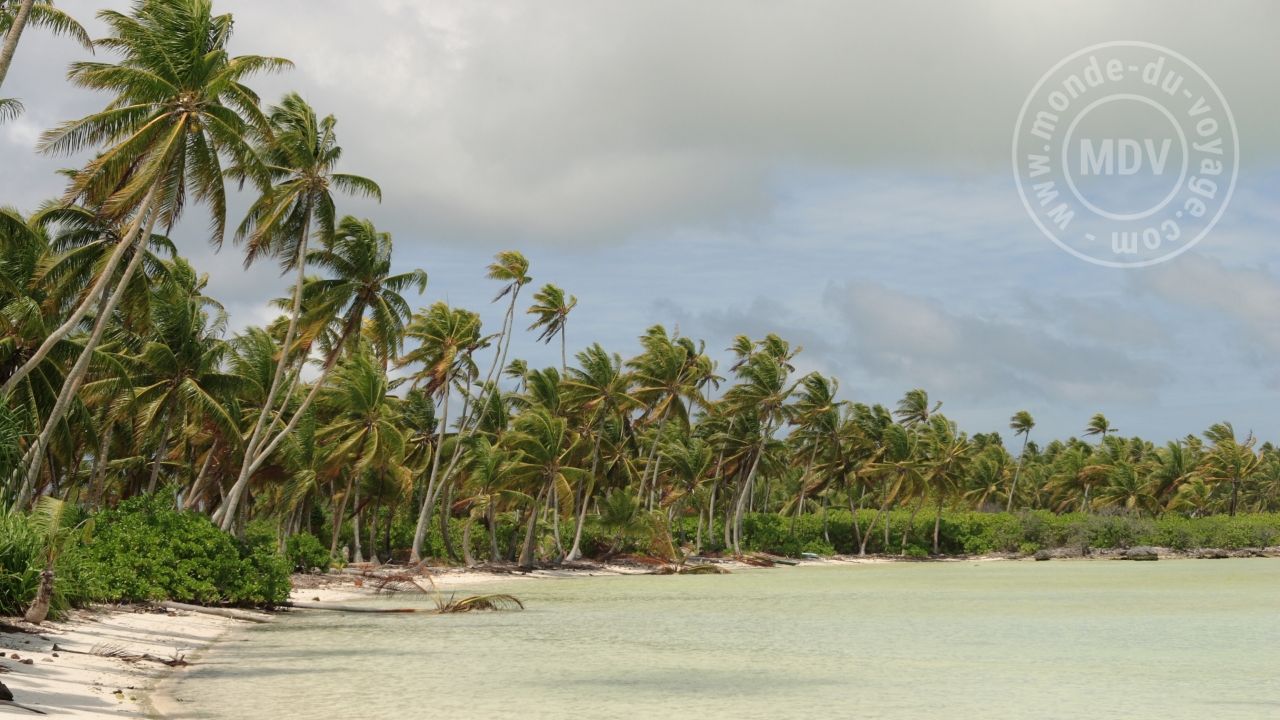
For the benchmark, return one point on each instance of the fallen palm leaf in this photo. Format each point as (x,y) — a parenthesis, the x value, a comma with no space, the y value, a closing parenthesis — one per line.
(471,603)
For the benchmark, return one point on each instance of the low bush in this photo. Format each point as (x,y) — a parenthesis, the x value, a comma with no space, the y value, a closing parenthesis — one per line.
(146,550)
(306,553)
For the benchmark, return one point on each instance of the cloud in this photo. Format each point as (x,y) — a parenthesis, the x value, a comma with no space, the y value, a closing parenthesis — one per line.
(1246,297)
(586,122)
(915,341)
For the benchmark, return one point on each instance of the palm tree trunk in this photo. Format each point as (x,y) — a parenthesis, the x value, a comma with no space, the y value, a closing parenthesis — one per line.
(526,551)
(880,513)
(74,378)
(446,512)
(338,513)
(911,525)
(1013,487)
(356,553)
(165,430)
(564,358)
(937,525)
(575,552)
(492,522)
(193,495)
(290,332)
(100,461)
(227,512)
(96,294)
(746,492)
(424,514)
(467,558)
(39,609)
(11,38)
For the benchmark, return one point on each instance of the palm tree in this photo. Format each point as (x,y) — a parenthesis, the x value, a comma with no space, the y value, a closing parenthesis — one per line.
(447,339)
(1099,425)
(947,453)
(179,372)
(15,15)
(300,152)
(1229,461)
(544,445)
(1021,424)
(760,396)
(363,434)
(361,283)
(179,109)
(552,311)
(913,408)
(599,392)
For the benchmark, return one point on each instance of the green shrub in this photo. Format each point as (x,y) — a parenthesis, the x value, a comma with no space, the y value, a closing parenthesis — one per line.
(305,553)
(146,550)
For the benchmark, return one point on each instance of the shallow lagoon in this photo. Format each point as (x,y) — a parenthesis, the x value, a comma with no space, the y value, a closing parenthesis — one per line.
(1169,639)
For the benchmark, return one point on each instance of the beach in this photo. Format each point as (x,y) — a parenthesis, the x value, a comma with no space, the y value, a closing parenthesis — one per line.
(118,661)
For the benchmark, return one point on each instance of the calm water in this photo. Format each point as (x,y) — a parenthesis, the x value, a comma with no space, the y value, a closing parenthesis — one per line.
(1170,639)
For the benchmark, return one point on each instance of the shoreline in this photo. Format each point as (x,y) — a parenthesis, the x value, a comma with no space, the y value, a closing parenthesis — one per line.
(72,671)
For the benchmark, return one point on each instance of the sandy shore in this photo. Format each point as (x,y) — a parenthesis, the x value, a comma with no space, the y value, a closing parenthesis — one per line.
(70,674)
(111,662)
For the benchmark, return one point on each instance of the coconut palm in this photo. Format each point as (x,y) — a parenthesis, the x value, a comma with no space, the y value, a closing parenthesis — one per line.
(360,284)
(1021,424)
(180,108)
(1099,426)
(913,409)
(552,308)
(544,447)
(599,391)
(447,341)
(300,152)
(362,434)
(1229,461)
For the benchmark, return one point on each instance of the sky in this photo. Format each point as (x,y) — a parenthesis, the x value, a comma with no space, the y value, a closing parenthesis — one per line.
(835,172)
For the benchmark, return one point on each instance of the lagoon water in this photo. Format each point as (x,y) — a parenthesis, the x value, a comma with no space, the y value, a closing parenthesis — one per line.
(1169,639)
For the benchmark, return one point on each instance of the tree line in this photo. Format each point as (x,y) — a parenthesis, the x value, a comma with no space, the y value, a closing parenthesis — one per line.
(362,407)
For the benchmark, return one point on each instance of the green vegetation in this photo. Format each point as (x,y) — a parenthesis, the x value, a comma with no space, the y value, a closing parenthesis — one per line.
(365,417)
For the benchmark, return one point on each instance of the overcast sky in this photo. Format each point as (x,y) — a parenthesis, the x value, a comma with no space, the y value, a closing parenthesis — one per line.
(836,172)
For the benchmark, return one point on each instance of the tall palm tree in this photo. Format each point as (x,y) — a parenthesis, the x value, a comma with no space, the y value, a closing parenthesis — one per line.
(760,396)
(544,445)
(180,108)
(913,408)
(552,310)
(1021,424)
(447,340)
(363,434)
(360,285)
(300,152)
(600,392)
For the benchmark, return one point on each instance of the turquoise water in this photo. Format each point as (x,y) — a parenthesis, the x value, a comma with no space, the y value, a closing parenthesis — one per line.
(1170,639)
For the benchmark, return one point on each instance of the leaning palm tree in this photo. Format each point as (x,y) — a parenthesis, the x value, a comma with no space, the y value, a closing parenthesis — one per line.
(1021,424)
(300,153)
(361,288)
(1099,426)
(552,311)
(447,338)
(180,108)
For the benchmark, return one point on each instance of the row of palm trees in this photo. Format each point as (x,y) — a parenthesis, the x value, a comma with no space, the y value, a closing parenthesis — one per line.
(118,376)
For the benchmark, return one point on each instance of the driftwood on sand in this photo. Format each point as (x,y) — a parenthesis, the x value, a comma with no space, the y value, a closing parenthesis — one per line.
(220,612)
